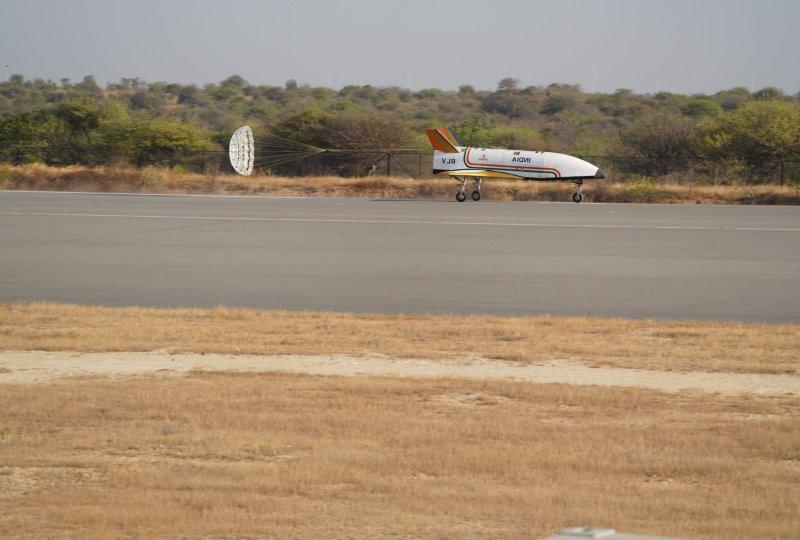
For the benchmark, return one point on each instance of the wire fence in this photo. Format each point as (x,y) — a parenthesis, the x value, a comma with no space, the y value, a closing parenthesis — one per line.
(403,163)
(409,163)
(764,170)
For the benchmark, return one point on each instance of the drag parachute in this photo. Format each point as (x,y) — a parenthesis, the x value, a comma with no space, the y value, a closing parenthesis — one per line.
(242,151)
(265,150)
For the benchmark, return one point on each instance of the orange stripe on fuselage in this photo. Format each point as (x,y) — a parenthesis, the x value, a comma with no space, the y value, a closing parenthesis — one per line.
(519,167)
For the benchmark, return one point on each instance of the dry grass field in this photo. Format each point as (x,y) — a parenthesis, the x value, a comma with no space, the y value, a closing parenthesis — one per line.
(224,455)
(158,180)
(221,454)
(593,341)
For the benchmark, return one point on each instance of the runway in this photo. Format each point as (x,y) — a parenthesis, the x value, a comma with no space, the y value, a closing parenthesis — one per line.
(398,256)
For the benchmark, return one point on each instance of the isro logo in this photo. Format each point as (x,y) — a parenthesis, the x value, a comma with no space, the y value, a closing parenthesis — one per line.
(520,160)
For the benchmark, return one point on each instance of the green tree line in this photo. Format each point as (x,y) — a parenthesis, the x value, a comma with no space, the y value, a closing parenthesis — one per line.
(731,134)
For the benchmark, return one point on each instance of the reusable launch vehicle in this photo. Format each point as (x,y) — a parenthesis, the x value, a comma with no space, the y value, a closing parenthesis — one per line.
(465,163)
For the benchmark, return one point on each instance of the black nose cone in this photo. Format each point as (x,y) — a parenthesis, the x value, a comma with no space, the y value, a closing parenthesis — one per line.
(599,174)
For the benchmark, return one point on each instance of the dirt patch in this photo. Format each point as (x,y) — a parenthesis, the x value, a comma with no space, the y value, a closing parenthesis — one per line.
(684,346)
(15,481)
(470,399)
(44,366)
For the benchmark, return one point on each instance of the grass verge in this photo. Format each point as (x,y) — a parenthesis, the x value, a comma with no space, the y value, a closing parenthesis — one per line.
(300,456)
(646,344)
(158,180)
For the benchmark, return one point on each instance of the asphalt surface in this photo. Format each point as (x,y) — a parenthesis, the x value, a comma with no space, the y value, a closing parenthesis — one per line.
(628,260)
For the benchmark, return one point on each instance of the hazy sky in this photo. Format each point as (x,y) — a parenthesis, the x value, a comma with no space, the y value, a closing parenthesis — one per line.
(645,45)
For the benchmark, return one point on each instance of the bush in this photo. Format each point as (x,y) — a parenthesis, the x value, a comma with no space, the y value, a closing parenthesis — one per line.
(555,103)
(656,145)
(698,108)
(473,132)
(759,134)
(515,137)
(510,104)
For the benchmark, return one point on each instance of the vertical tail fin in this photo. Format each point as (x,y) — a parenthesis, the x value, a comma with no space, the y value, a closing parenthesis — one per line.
(441,139)
(452,136)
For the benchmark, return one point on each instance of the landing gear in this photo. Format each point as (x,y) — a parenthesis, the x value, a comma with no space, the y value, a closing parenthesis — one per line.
(476,188)
(577,196)
(462,185)
(461,196)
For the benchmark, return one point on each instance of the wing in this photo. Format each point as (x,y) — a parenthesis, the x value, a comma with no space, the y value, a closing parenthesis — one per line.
(483,173)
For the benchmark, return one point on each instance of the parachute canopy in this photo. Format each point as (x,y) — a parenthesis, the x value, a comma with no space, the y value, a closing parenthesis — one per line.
(242,151)
(272,150)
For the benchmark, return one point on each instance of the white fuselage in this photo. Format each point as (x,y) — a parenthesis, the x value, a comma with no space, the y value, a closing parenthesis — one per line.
(525,164)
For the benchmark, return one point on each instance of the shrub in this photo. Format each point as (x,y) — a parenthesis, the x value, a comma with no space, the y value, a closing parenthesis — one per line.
(656,145)
(698,108)
(759,134)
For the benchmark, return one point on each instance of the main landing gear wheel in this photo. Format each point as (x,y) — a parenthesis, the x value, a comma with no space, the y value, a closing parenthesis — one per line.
(577,196)
(462,183)
(476,188)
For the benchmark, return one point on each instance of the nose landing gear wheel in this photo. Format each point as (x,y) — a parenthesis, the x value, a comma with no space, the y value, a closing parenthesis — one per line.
(476,196)
(460,197)
(577,196)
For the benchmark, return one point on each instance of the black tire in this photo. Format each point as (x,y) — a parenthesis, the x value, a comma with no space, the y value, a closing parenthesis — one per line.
(577,197)
(460,197)
(476,195)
